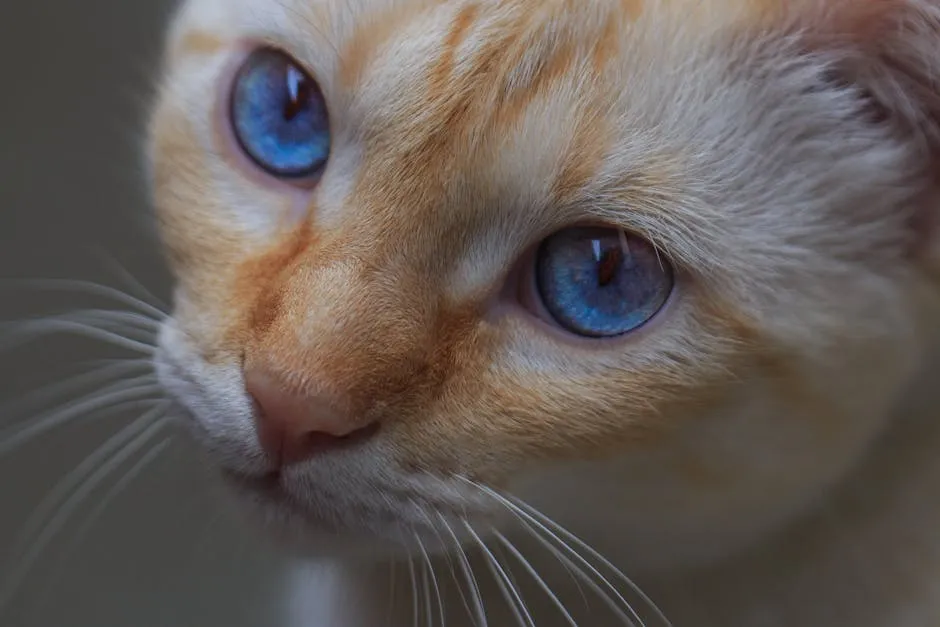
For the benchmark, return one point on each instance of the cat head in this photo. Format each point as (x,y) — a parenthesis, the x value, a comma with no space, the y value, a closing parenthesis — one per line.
(659,266)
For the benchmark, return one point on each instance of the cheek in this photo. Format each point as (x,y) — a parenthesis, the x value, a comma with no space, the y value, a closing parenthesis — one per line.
(212,208)
(211,225)
(490,425)
(508,408)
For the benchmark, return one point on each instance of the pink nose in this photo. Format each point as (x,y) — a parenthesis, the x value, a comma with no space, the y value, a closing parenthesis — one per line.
(292,427)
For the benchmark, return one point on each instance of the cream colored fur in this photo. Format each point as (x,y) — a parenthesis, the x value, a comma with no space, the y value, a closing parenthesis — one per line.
(765,453)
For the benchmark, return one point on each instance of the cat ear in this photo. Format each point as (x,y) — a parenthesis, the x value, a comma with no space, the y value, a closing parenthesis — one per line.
(891,52)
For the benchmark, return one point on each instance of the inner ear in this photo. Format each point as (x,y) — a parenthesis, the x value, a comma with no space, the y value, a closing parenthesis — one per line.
(844,78)
(886,51)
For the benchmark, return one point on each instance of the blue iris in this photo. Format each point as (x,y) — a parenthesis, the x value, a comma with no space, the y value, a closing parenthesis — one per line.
(279,116)
(601,282)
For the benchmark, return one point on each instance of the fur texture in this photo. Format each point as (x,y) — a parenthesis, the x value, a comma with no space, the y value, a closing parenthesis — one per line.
(746,454)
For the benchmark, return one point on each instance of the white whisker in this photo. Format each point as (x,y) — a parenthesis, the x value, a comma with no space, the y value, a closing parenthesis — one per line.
(25,332)
(629,618)
(115,386)
(129,324)
(133,282)
(106,500)
(437,589)
(526,519)
(467,573)
(513,598)
(426,586)
(501,558)
(70,481)
(66,509)
(447,558)
(414,590)
(14,437)
(593,553)
(108,315)
(105,372)
(538,579)
(88,287)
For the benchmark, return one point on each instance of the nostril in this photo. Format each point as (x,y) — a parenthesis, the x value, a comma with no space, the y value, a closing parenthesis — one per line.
(292,428)
(318,441)
(286,448)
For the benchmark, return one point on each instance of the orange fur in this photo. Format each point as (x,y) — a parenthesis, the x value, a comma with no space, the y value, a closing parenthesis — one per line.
(469,131)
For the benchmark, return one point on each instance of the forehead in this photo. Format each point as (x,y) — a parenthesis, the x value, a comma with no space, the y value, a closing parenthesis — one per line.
(437,97)
(495,121)
(404,66)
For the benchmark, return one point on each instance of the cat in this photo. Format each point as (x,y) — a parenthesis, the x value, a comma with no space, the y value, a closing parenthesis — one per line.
(484,306)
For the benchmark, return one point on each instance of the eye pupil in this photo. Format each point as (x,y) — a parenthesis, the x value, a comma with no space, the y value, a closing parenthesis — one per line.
(607,266)
(299,91)
(601,282)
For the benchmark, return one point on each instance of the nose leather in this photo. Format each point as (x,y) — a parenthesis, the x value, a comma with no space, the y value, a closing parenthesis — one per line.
(292,426)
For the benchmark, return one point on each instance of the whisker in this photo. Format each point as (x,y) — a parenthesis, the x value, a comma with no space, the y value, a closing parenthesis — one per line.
(447,558)
(104,372)
(437,589)
(25,332)
(106,500)
(593,553)
(630,617)
(66,509)
(104,318)
(11,439)
(426,585)
(513,598)
(128,325)
(68,483)
(414,590)
(538,579)
(118,385)
(569,568)
(143,327)
(111,315)
(526,519)
(467,570)
(131,280)
(501,558)
(87,287)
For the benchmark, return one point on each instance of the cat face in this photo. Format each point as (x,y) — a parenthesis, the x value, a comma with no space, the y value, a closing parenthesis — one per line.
(647,264)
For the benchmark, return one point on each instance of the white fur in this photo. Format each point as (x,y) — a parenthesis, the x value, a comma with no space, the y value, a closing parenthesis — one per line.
(816,511)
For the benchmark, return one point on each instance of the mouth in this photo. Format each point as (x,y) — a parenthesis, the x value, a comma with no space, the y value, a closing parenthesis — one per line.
(266,486)
(267,504)
(268,492)
(325,528)
(269,509)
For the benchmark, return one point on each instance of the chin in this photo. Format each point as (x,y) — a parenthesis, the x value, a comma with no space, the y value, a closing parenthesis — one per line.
(304,531)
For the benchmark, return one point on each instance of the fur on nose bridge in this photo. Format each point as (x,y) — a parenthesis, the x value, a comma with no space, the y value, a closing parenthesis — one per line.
(331,316)
(340,327)
(357,362)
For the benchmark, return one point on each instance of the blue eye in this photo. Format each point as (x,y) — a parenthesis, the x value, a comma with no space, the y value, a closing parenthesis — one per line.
(279,116)
(601,282)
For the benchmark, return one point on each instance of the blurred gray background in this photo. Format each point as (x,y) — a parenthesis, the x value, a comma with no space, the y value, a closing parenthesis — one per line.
(75,82)
(75,79)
